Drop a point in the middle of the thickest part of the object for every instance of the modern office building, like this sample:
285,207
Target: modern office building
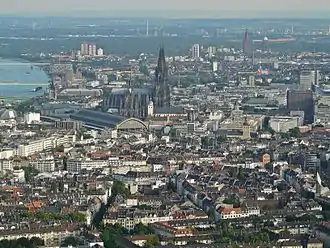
306,80
88,49
92,51
303,101
311,162
316,77
100,52
68,125
215,66
84,49
195,51
211,51
283,123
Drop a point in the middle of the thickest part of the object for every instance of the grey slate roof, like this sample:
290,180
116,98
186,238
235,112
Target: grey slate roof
170,110
137,91
97,118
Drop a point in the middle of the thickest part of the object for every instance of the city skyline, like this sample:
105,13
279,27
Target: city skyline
171,8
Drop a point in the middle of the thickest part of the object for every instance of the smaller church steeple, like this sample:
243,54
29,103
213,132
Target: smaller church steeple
246,129
151,108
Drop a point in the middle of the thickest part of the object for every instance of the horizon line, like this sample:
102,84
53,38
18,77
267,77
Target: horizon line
176,14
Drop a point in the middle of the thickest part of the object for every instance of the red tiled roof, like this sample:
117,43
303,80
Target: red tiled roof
230,210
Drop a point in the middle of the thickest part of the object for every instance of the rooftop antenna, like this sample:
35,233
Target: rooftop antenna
314,59
315,79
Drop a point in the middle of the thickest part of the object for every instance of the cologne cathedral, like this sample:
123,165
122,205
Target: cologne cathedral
133,102
162,91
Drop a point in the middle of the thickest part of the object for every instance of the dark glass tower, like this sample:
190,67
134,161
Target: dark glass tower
162,98
303,101
247,49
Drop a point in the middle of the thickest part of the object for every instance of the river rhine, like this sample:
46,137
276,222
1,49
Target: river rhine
18,79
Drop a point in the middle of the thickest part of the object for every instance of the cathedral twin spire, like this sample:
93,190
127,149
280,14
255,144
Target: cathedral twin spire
161,87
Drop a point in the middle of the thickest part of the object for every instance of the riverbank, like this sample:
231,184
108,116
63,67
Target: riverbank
19,77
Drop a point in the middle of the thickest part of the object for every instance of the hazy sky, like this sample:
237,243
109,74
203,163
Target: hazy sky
189,8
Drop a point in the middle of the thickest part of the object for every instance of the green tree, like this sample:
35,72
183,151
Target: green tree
73,241
221,139
59,148
110,235
5,243
79,217
65,163
24,242
173,133
118,188
285,135
240,174
295,132
87,136
37,241
24,106
53,187
60,186
152,242
141,229
29,173
265,124
228,201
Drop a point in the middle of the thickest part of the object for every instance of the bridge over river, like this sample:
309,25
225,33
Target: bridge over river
22,63
23,84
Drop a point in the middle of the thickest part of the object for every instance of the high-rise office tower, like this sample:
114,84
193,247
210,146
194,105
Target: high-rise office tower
211,51
215,66
306,80
247,48
316,77
100,52
302,100
195,51
94,50
162,89
84,48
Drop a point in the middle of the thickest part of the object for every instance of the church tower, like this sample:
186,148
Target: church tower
247,49
162,97
150,108
246,129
